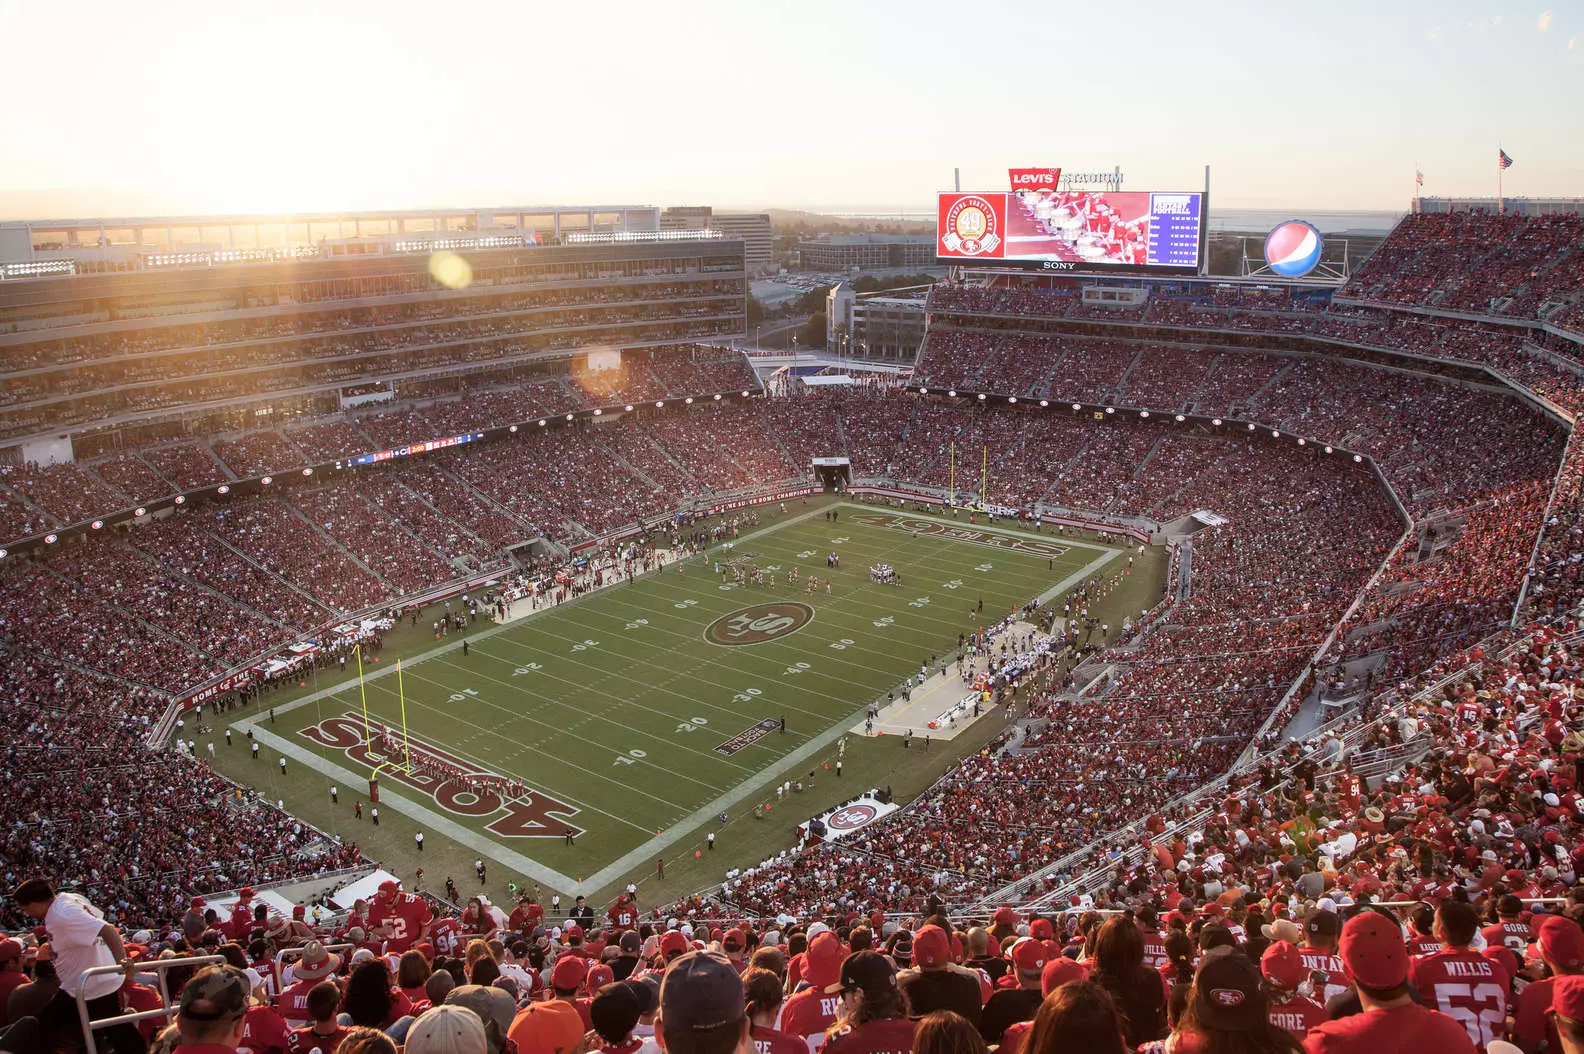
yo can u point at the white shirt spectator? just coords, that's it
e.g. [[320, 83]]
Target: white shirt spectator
[[74, 926]]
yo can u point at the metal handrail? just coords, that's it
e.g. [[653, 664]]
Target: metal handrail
[[166, 1010]]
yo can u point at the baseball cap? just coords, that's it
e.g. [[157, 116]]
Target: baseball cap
[[493, 1006], [1373, 951], [573, 931], [198, 902], [553, 1027], [1227, 991], [1282, 965], [931, 947], [10, 949], [701, 991], [1058, 972], [733, 940], [867, 970], [631, 942], [1561, 941], [1322, 922], [1042, 930], [614, 1011], [599, 975], [1567, 996], [673, 941], [1006, 916], [822, 961], [569, 972], [215, 993], [1028, 955]]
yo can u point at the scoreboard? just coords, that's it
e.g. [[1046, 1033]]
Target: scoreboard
[[1141, 232]]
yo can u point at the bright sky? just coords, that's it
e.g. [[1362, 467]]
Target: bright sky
[[196, 107]]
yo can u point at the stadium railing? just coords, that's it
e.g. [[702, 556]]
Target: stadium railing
[[166, 1010]]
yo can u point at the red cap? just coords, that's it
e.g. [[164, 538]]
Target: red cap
[[1028, 955], [1283, 966], [1006, 916], [198, 902], [246, 893], [1042, 930], [1373, 951], [822, 961], [1562, 941], [390, 885], [10, 949], [569, 972], [599, 975], [673, 941], [931, 946], [1058, 972], [1567, 996], [299, 911], [571, 931]]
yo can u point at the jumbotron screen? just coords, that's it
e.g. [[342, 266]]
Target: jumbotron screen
[[1107, 231]]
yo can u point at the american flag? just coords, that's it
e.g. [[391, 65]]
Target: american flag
[[1502, 160], [1419, 178]]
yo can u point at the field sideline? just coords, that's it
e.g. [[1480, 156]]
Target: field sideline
[[637, 714]]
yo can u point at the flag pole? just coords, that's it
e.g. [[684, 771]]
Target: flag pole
[[368, 737], [401, 691], [1501, 206]]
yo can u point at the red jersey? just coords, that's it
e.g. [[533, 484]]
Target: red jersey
[[292, 1004], [406, 916], [769, 1041], [1467, 987], [1509, 934], [809, 1013], [263, 1032], [306, 1040], [623, 916], [1298, 1015], [1418, 946], [135, 998], [1329, 975], [891, 1036], [1532, 1025], [443, 934], [1014, 1037], [525, 917], [1408, 1029], [1154, 951]]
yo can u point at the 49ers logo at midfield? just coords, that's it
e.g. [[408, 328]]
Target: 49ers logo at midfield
[[759, 623]]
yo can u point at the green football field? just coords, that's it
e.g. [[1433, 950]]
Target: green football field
[[633, 716]]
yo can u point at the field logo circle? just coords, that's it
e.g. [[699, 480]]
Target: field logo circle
[[852, 817], [757, 624]]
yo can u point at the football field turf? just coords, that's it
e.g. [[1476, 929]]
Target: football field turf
[[635, 715]]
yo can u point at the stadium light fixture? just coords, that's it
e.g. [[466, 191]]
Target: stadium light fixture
[[224, 489]]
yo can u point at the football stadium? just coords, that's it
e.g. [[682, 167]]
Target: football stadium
[[419, 620]]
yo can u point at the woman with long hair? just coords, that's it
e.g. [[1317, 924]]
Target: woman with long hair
[[1077, 1016], [1119, 968], [1228, 1013], [873, 1012], [412, 974], [763, 992], [370, 1002], [947, 1032]]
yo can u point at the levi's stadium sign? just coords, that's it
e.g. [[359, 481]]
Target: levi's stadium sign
[[1034, 178]]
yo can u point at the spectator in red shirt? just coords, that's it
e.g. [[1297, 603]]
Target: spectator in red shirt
[[944, 1032], [1562, 950], [762, 990], [11, 973], [1283, 969], [1392, 1023], [874, 1015], [1460, 982], [1229, 1001], [1567, 1005], [325, 1034]]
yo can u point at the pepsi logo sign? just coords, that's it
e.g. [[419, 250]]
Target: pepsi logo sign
[[1292, 249], [852, 817]]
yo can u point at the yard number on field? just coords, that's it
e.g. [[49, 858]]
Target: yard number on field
[[685, 604], [797, 668], [637, 622], [982, 568], [882, 623], [457, 697], [747, 695], [955, 583], [585, 645], [523, 671], [691, 724], [919, 603], [630, 757]]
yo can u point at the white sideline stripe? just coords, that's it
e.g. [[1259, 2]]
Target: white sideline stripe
[[431, 820]]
